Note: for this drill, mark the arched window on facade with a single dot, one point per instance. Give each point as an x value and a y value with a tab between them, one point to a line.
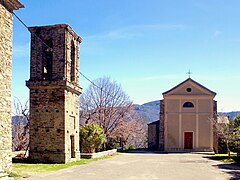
73	63
47	60
188	105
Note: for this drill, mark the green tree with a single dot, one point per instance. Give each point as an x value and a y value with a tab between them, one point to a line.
236	134
228	132
237	122
224	130
91	138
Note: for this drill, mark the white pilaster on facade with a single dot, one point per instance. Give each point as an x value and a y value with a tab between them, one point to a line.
180	124
197	125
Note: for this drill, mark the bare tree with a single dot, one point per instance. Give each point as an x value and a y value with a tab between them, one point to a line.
133	131
20	139
105	103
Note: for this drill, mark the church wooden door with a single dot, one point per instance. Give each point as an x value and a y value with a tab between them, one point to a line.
188	140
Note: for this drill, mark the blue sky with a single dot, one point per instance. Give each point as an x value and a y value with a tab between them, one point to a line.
146	46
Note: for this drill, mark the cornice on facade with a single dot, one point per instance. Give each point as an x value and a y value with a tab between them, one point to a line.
12	4
58	26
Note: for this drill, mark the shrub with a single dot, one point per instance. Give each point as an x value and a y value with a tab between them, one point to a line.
91	138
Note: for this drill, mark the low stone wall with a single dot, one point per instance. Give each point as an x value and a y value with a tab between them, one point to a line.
20	154
98	154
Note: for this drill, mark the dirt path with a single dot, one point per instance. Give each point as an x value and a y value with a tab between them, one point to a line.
147	166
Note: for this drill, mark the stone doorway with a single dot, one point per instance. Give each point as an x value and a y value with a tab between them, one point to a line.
72	146
188	140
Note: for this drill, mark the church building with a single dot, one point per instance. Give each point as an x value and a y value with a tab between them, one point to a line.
186	119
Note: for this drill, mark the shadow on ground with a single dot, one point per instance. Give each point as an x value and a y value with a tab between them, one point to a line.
142	151
148	151
28	161
230	168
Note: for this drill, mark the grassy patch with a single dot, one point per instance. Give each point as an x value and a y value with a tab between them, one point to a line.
224	158
26	169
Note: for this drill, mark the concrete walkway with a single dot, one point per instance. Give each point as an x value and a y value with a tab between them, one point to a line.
147	166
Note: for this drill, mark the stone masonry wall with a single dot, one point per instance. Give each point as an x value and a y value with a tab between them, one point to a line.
72	124
72	100
5	88
46	123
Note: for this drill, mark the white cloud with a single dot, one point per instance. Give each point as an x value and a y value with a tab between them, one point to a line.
135	31
21	50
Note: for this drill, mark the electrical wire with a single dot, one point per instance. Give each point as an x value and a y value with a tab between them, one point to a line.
24	24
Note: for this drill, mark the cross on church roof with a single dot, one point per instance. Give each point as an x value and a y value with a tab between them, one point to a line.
189	73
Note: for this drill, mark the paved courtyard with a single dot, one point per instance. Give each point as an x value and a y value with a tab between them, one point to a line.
148	166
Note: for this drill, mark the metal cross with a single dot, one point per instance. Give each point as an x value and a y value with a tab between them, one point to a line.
189	73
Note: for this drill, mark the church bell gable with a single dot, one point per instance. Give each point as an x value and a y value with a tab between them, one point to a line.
189	87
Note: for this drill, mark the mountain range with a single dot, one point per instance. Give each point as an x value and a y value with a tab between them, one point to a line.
148	111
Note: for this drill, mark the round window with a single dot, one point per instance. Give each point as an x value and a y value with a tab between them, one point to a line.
189	89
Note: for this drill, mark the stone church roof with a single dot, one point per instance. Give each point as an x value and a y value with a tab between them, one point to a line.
194	82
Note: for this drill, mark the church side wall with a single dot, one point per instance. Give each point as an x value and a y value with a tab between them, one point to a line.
152	136
5	88
161	126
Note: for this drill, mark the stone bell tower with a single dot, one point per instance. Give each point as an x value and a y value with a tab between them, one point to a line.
54	94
